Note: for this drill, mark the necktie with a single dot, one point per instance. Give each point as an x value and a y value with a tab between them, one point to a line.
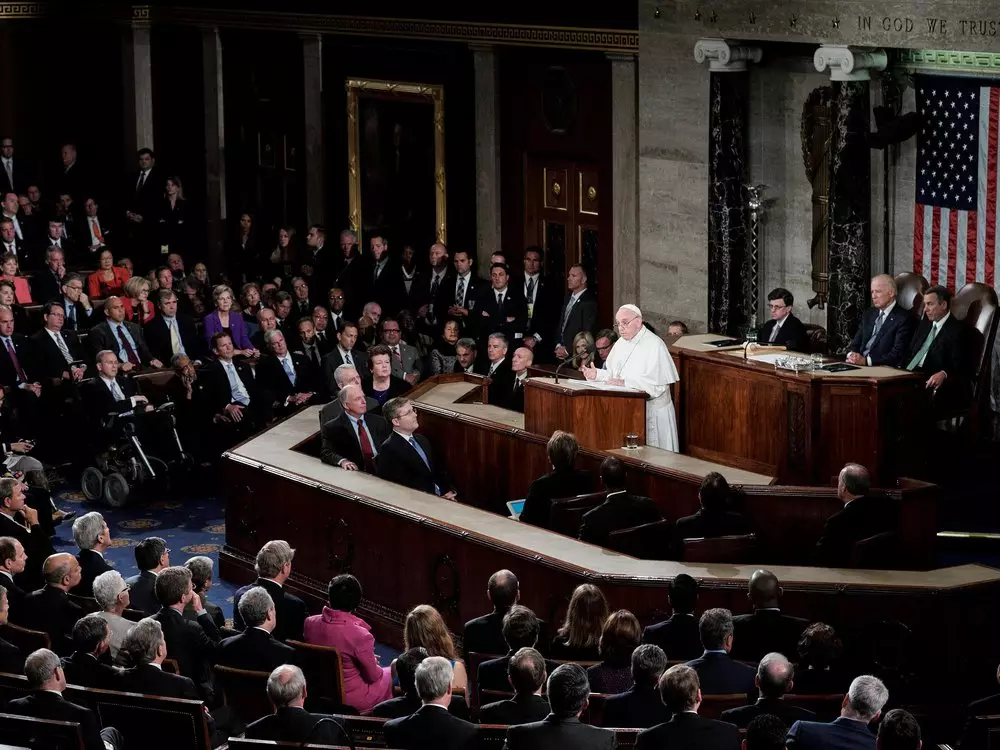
17	363
142	181
321	336
423	457
460	293
71	310
314	355
569	306
286	363
918	358
347	359
530	293
367	451
878	327
435	285
116	390
175	340
774	333
129	351
9	166
236	388
399	357
499	299
61	343
96	229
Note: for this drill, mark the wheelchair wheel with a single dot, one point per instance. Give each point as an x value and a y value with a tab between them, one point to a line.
116	490
91	483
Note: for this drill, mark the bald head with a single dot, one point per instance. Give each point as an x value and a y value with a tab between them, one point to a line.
503	590
764	589
286	686
774	675
61	570
854	481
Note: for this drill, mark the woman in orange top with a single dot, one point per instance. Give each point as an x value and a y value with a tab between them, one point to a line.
10	272
108	279
138	308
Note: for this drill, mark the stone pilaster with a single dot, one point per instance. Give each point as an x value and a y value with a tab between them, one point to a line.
215	146
625	178
487	123
137	88
315	158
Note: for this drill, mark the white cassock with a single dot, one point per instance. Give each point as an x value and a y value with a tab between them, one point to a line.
645	364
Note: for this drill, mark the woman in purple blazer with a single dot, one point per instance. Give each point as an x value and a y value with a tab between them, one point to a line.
222	318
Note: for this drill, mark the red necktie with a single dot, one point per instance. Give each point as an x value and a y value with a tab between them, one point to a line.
366	447
129	351
17	363
399	357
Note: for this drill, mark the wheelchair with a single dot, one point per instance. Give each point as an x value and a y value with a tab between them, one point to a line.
123	466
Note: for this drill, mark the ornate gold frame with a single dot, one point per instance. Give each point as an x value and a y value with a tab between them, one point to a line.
418	92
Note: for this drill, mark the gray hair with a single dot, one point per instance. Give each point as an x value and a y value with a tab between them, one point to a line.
342	372
40	666
433	678
108	586
349	233
648	663
467	343
201	570
143	640
345	393
105	353
284	691
866	697
501	338
775	674
271	335
254	606
272	558
856	479
87	529
715	626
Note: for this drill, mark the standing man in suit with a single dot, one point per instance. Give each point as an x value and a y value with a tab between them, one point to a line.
542	298
783	329
501	308
274	566
385	279
432	726
680	692
344	353
886	329
14	175
569	692
767	629
942	346
860	518
256	648
92	536
142	196
774	680
862	705
428	295
578	312
151	557
484	635
92	232
499	370
461	294
718	674
620	509
640	707
352	440
406	458
678	635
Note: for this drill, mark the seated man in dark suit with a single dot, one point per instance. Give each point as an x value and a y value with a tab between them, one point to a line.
620	509
13	560
714	518
169	333
123	337
49	609
861	517
290	379
527	673
774	679
484	635
406	669
290	722
343	376
898	730
765	732
862	706
520	630
886	328
352	440
783	329
11	657
274	566
19	521
678	635
565	480
255	648
47	681
569	692
432	726
84	667
718	674
680	692
146	649
238	404
640	707
406	458
151	556
766	630
93	537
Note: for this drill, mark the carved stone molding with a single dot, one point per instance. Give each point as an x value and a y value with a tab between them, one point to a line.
724	56
849	63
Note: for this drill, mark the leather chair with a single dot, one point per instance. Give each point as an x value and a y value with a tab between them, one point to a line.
650	541
910	288
720	549
817	343
566	513
976	305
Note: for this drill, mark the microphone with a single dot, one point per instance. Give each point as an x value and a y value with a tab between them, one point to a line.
563	364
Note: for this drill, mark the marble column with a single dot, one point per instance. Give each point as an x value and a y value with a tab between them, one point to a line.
487	123
215	147
850	188
729	270
315	158
625	178
137	89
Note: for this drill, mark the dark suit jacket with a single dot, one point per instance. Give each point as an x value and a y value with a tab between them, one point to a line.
388	290
254	649
340	439
553	486
839	734
102	337
92	564
636	708
334	359
11	658
289	609
975	734
272	378
501	385
397	707
193	644
473	290
85	670
521	709
788	713
36	545
27	357
158	338
50	610
583	317
703	524
484	635
45	705
45	285
83	321
766	631
792	334
893	337
861	518
145	201
22	177
621	510
293	724
398	462
50	361
217	391
553	732
545	310
142	595
492	319
691	732
952	352
98	400
720	675
678	636
152	681
430	728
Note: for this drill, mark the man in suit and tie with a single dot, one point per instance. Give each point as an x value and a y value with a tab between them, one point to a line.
143	193
274	566
542	298
19	521
240	407
110	392
290	722
11	243
93	232
428	293
14	175
519	364
336	317
307	343
461	294
886	328
289	378
432	726
405	359
767	629
407	703
79	312
18	367
344	353
255	648
783	329
171	333
344	376
862	705
57	350
56	237
85	666
384	282
718	674
122	337
352	440
774	680
49	608
527	672
640	707
406	458
501	308
681	693
13	559
499	370
146	649
569	692
47	283
861	517
620	509
324	328
578	313
93	537
484	635
151	557
678	635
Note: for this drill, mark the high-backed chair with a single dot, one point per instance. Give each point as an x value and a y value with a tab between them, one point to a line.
910	288
976	305
650	541
567	513
24	638
720	549
323	668
39	734
244	691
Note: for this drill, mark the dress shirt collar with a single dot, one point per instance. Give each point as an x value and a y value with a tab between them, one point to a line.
613	494
403	435
157	666
578	293
54	692
7	573
888	310
939	324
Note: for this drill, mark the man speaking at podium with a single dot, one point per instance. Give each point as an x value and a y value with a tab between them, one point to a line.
640	360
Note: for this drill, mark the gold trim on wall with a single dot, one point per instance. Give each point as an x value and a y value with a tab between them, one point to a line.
24	10
418	92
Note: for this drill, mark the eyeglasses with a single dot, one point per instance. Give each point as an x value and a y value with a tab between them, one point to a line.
625	323
778	306
336	296
390	330
413	410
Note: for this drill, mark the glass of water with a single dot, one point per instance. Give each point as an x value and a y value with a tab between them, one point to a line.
817	361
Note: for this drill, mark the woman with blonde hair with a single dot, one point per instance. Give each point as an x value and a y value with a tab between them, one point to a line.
138	308
425	627
579	637
584	348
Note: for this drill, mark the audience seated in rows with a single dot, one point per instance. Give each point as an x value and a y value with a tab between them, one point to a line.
620	636
527	672
678	635
255	649
718	673
774	679
680	691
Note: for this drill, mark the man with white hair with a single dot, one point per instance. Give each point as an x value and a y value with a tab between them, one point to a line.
344	376
432	725
640	360
290	722
112	595
862	705
352	440
255	648
274	566
93	537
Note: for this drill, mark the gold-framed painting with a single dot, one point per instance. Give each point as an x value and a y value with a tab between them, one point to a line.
396	165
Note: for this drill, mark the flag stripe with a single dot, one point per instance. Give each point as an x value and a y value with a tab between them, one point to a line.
962	249
984	142
991	186
928	241
972	255
935	245
918	238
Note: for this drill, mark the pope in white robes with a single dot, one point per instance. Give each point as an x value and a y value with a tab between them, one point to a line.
639	359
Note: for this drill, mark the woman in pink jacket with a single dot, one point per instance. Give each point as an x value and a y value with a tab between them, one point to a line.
365	682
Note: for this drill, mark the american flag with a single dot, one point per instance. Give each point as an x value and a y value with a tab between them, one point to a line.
955	219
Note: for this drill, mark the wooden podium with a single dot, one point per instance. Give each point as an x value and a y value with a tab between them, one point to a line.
599	418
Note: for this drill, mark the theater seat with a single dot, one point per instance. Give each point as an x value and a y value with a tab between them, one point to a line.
976	305
566	513
650	541
720	549
910	288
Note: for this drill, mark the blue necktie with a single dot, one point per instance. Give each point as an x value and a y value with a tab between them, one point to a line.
423	456
235	386
287	364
